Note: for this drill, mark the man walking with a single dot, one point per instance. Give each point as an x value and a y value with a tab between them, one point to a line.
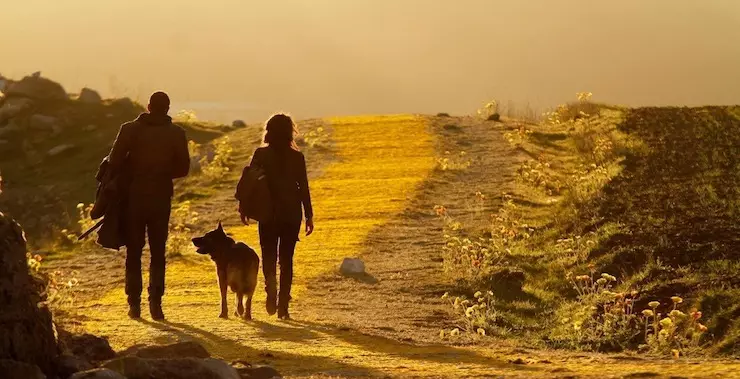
153	151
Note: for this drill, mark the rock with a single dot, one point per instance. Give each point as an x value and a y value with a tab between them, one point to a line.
221	368
87	346
54	151
14	106
26	329
125	104
259	372
42	122
239	124
187	349
9	129
67	365
36	87
176	368
10	369
90	96
98	373
352	266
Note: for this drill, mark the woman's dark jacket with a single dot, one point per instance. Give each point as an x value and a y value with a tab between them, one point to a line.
285	169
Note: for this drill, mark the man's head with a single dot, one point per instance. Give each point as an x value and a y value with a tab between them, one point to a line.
159	103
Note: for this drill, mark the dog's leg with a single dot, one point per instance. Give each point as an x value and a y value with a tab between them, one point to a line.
223	285
248	313
239	305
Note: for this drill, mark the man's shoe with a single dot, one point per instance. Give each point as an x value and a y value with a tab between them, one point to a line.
155	310
134	311
271	305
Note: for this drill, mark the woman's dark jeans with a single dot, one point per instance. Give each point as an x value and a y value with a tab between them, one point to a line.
278	240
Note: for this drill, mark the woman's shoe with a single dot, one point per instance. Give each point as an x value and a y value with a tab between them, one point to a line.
271	305
283	311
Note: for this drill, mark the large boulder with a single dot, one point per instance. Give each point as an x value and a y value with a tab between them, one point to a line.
12	107
90	96
176	368
98	373
10	369
36	87
26	330
187	349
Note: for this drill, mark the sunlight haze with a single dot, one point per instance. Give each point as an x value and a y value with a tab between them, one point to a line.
247	59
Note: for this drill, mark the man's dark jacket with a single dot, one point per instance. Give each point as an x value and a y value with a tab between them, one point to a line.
147	155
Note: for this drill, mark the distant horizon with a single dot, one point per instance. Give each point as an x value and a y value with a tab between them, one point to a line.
234	60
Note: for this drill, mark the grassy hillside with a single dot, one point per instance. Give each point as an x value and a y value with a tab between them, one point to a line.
614	209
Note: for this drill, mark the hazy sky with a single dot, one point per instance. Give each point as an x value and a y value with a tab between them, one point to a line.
247	58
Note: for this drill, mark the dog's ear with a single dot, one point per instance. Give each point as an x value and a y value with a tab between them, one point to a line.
220	227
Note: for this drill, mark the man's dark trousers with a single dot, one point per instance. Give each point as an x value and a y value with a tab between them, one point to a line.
147	215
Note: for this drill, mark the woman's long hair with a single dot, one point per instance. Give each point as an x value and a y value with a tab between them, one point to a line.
280	132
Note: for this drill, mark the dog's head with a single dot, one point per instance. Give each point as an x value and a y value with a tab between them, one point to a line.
214	242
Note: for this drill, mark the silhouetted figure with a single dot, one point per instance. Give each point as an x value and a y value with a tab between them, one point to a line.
154	151
285	169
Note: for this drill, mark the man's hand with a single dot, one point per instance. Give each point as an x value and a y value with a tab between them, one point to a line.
309	227
245	219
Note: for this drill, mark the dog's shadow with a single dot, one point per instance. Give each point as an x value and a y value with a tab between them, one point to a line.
266	331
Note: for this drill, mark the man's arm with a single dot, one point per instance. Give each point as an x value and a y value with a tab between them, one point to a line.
182	156
121	148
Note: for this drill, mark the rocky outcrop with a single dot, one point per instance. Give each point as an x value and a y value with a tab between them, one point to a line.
26	329
238	124
36	87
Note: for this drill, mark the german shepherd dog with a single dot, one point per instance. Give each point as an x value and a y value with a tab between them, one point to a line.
237	266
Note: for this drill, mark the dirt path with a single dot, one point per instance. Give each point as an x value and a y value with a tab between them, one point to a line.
372	200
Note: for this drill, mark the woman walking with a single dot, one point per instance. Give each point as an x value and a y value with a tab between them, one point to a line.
285	168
